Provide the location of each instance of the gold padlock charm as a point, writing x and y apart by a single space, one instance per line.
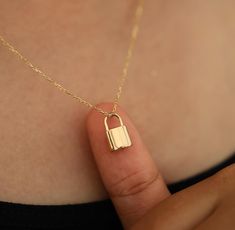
118 137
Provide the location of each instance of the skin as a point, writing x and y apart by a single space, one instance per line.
140 195
180 90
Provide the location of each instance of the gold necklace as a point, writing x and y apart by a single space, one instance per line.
117 137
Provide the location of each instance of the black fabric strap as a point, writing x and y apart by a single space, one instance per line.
94 215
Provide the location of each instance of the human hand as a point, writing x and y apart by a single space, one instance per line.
140 194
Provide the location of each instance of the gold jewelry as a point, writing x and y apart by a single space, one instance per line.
118 138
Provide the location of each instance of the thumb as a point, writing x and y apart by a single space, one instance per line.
129 175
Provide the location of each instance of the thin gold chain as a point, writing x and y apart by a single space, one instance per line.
133 38
134 34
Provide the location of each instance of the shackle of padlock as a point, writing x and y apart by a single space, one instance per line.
112 115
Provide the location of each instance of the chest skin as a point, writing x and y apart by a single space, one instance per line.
180 90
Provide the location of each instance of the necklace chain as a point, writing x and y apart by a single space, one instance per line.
133 38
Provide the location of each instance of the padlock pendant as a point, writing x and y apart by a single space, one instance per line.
118 137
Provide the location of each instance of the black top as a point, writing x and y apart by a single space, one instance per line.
94 215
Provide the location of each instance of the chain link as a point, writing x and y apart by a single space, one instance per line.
134 34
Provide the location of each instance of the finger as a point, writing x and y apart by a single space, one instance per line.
183 210
221 218
202 206
129 175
